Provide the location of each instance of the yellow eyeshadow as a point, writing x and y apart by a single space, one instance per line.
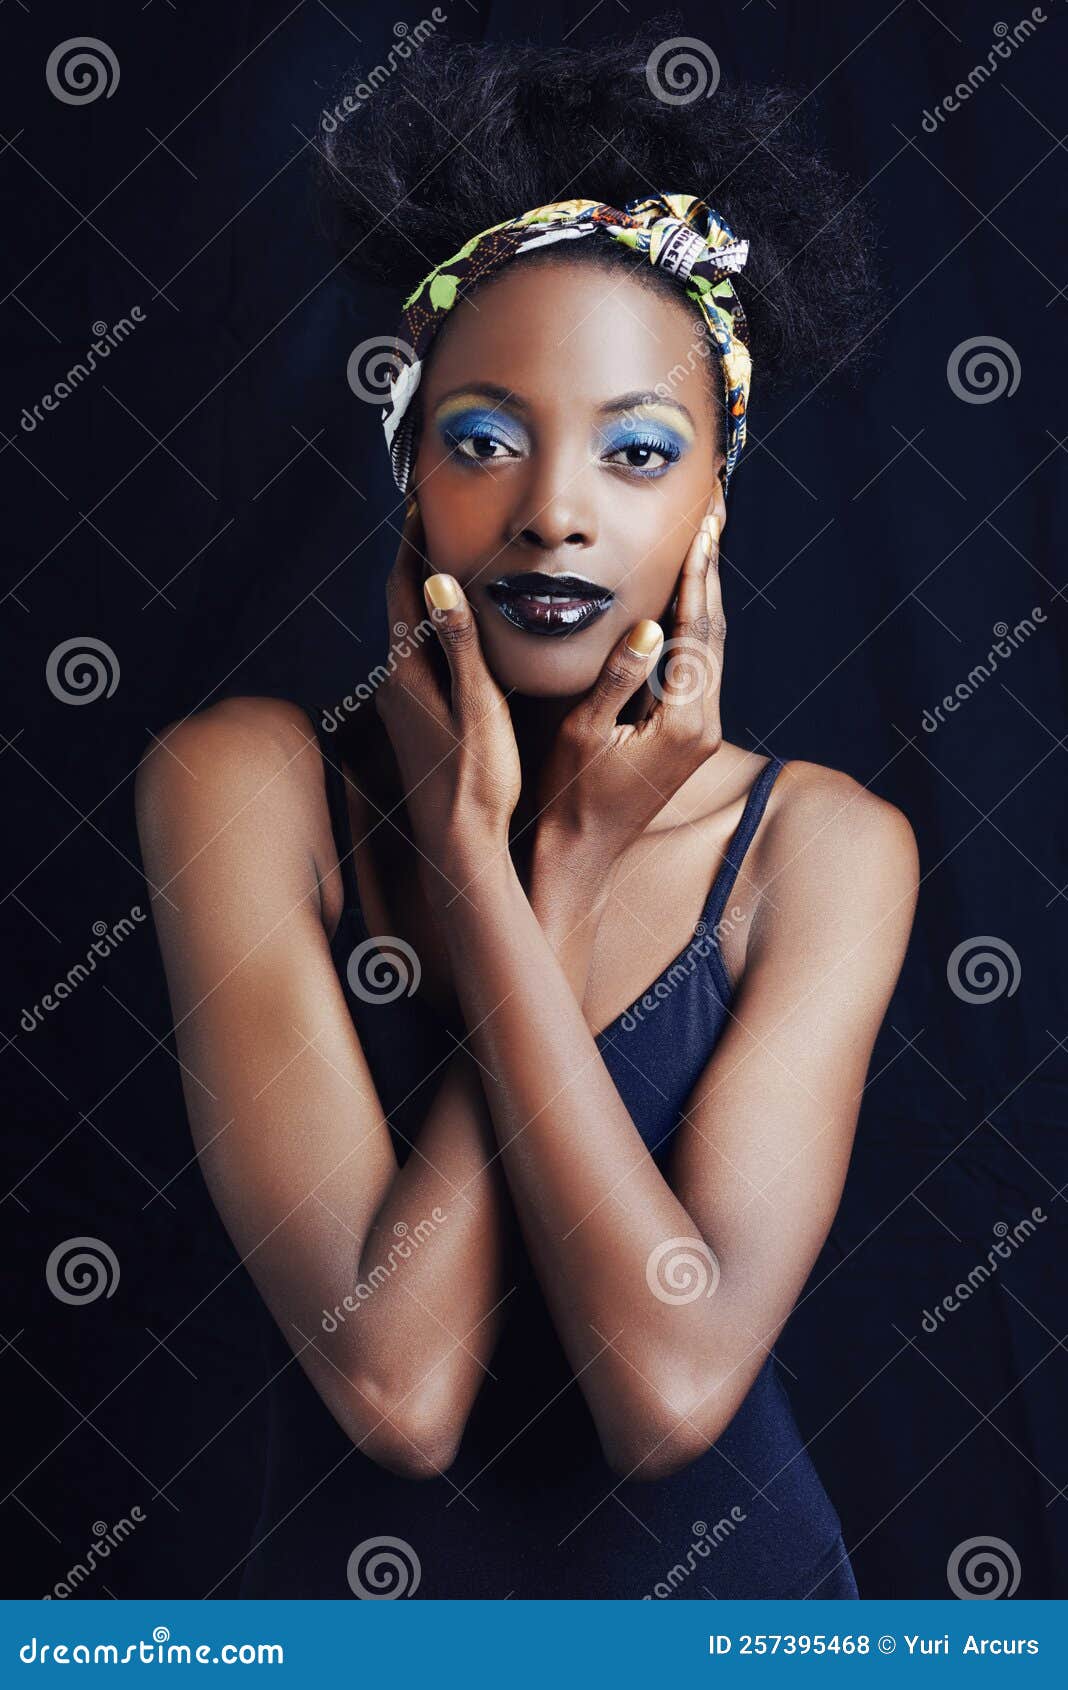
462 402
665 414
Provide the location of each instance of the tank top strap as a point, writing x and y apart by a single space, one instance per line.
741 839
338 806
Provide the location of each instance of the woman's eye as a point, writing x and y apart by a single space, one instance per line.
480 447
647 456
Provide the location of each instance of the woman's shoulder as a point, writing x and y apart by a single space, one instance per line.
835 852
813 801
242 763
806 802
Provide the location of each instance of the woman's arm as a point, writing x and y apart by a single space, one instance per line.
759 1161
662 1374
283 1108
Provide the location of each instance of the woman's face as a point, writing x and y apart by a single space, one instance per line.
568 429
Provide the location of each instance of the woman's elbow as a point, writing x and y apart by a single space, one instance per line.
656 1439
416 1439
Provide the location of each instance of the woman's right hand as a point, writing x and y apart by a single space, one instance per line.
454 743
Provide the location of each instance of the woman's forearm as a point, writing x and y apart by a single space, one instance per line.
591 1202
430 1289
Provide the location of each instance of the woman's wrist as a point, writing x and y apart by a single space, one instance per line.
571 869
463 859
567 882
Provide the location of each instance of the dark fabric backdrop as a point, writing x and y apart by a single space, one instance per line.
213 504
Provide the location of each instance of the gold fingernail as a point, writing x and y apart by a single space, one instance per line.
412 506
706 540
644 637
442 592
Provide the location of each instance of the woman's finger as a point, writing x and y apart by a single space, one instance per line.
473 687
403 605
690 600
717 622
692 670
627 665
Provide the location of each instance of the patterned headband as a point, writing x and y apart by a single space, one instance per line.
676 232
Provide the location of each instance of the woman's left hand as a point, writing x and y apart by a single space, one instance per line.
605 780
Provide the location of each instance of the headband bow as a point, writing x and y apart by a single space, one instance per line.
677 233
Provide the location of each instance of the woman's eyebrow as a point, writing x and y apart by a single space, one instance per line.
635 401
485 390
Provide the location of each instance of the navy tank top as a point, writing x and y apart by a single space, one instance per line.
530 1508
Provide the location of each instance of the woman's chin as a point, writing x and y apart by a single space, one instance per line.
538 678
541 665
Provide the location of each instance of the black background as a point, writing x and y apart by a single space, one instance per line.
215 505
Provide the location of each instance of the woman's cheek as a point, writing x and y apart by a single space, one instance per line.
459 532
662 579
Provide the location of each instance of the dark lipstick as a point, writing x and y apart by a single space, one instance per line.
549 604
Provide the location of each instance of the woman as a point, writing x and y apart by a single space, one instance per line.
524 1020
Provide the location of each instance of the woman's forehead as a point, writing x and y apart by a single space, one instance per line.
573 331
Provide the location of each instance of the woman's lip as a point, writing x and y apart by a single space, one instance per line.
547 605
538 581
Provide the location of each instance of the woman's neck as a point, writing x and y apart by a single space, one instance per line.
535 722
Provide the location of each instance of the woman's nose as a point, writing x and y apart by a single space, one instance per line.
556 512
